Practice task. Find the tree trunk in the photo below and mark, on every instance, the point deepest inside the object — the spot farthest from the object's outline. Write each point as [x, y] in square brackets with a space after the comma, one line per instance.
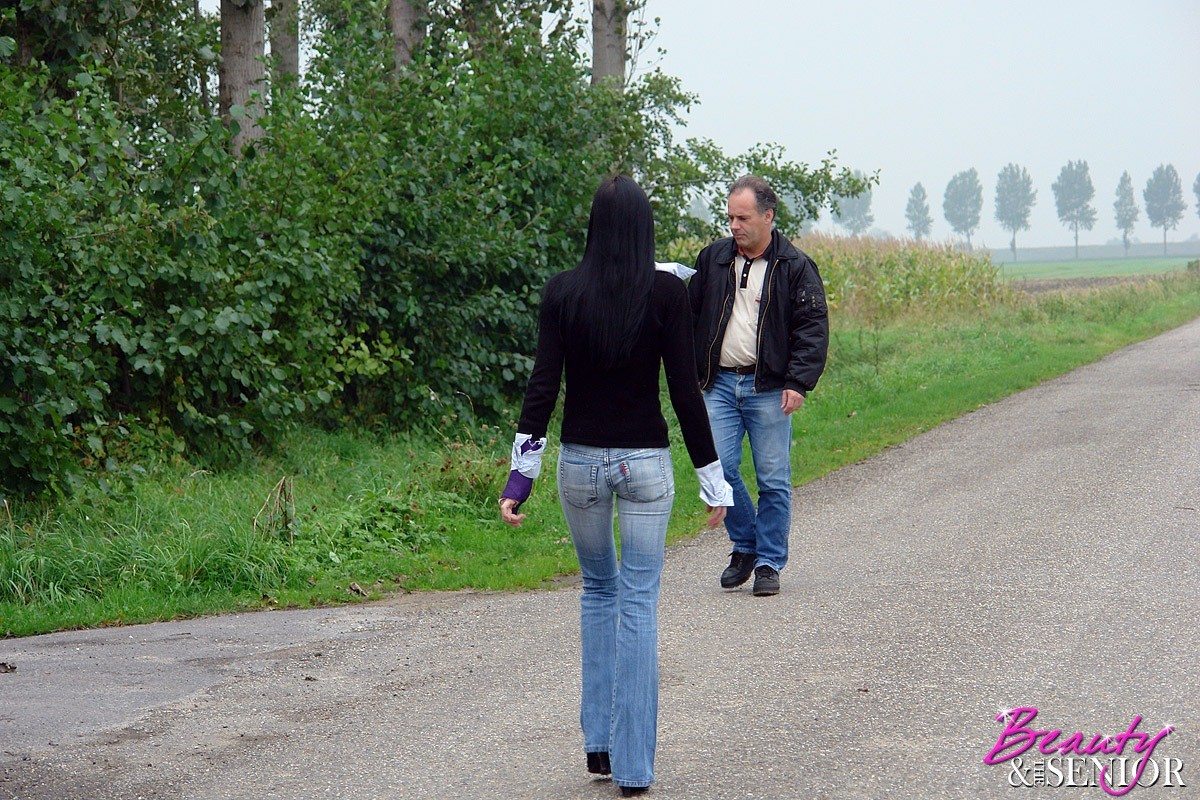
[35, 43]
[241, 67]
[407, 20]
[285, 40]
[609, 18]
[1164, 240]
[1076, 228]
[202, 70]
[24, 35]
[1013, 245]
[476, 22]
[1125, 240]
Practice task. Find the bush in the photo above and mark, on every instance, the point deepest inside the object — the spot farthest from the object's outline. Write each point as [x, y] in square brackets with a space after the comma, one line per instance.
[154, 277]
[485, 194]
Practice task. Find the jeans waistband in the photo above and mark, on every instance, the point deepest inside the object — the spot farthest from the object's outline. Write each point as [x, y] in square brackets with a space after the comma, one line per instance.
[611, 453]
[747, 369]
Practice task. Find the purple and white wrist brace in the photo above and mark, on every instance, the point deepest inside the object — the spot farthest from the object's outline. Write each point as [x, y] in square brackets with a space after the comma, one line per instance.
[526, 463]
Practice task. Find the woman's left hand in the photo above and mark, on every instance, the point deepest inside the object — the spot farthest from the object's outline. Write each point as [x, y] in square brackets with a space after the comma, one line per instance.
[508, 511]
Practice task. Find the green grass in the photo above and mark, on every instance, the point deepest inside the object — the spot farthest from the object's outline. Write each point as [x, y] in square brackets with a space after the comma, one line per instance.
[884, 388]
[1094, 268]
[387, 512]
[373, 512]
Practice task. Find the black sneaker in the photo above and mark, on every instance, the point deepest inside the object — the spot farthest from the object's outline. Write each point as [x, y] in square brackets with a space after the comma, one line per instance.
[741, 565]
[766, 581]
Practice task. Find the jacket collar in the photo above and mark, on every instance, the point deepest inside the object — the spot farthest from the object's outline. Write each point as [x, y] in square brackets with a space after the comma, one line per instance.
[780, 248]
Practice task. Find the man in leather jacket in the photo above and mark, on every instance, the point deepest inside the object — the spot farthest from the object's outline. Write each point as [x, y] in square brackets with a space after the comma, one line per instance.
[762, 334]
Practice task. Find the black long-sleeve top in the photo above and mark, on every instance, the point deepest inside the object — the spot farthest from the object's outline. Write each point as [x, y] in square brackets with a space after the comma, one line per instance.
[619, 407]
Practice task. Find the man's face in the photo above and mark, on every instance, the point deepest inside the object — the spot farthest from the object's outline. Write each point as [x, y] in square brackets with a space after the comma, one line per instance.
[751, 229]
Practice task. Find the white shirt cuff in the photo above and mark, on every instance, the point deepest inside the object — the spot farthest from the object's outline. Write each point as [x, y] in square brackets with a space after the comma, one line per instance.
[714, 489]
[675, 268]
[527, 455]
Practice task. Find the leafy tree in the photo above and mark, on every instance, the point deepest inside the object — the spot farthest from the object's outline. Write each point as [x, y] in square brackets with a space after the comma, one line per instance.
[917, 213]
[1073, 193]
[963, 203]
[1164, 200]
[700, 167]
[1126, 209]
[854, 213]
[153, 56]
[1015, 197]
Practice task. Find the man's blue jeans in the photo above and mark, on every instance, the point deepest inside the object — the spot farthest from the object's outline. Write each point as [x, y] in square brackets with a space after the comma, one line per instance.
[619, 606]
[736, 410]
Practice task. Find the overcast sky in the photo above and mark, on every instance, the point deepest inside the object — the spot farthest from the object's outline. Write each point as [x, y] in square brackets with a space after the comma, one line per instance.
[923, 89]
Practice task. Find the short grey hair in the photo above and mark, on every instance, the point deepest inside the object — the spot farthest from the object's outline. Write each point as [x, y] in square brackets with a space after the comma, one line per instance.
[764, 196]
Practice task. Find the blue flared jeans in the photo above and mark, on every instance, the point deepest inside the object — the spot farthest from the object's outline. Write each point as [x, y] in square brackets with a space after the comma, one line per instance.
[736, 410]
[619, 605]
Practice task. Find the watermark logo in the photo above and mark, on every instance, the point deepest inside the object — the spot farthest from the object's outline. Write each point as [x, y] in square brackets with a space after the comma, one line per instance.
[1039, 758]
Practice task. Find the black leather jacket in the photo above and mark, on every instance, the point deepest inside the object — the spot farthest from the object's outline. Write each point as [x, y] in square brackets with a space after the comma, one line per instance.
[793, 321]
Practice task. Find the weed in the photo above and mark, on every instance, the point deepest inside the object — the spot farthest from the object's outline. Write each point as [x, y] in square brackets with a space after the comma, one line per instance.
[278, 512]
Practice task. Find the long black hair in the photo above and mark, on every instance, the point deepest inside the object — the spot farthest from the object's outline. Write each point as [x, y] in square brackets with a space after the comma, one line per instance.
[610, 289]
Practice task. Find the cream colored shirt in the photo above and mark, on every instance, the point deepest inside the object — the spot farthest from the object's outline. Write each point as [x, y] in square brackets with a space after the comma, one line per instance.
[739, 348]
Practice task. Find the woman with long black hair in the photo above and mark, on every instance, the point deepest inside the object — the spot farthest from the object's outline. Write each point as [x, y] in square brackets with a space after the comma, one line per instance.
[610, 323]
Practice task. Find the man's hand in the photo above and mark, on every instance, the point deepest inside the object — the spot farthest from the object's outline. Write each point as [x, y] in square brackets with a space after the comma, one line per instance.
[792, 400]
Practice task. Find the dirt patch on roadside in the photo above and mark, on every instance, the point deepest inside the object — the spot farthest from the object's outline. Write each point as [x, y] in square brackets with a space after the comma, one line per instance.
[1043, 285]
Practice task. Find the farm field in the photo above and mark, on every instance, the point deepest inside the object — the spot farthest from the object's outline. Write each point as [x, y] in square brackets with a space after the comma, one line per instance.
[1093, 268]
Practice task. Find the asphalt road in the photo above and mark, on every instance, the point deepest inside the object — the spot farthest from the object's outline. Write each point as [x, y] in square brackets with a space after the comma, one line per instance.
[1042, 552]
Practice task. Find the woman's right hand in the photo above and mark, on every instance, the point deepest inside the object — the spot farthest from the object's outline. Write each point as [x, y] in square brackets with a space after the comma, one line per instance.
[716, 515]
[516, 491]
[508, 511]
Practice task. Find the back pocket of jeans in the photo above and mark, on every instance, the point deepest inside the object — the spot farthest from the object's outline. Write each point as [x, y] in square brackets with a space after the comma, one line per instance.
[646, 479]
[577, 483]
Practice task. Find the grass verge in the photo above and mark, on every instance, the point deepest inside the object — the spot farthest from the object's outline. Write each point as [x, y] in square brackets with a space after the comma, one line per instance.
[333, 517]
[1094, 268]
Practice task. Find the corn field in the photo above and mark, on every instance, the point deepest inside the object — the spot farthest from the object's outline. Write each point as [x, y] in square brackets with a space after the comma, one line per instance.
[870, 280]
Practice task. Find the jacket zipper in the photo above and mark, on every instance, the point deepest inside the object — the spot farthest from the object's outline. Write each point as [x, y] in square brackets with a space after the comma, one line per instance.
[724, 307]
[762, 314]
